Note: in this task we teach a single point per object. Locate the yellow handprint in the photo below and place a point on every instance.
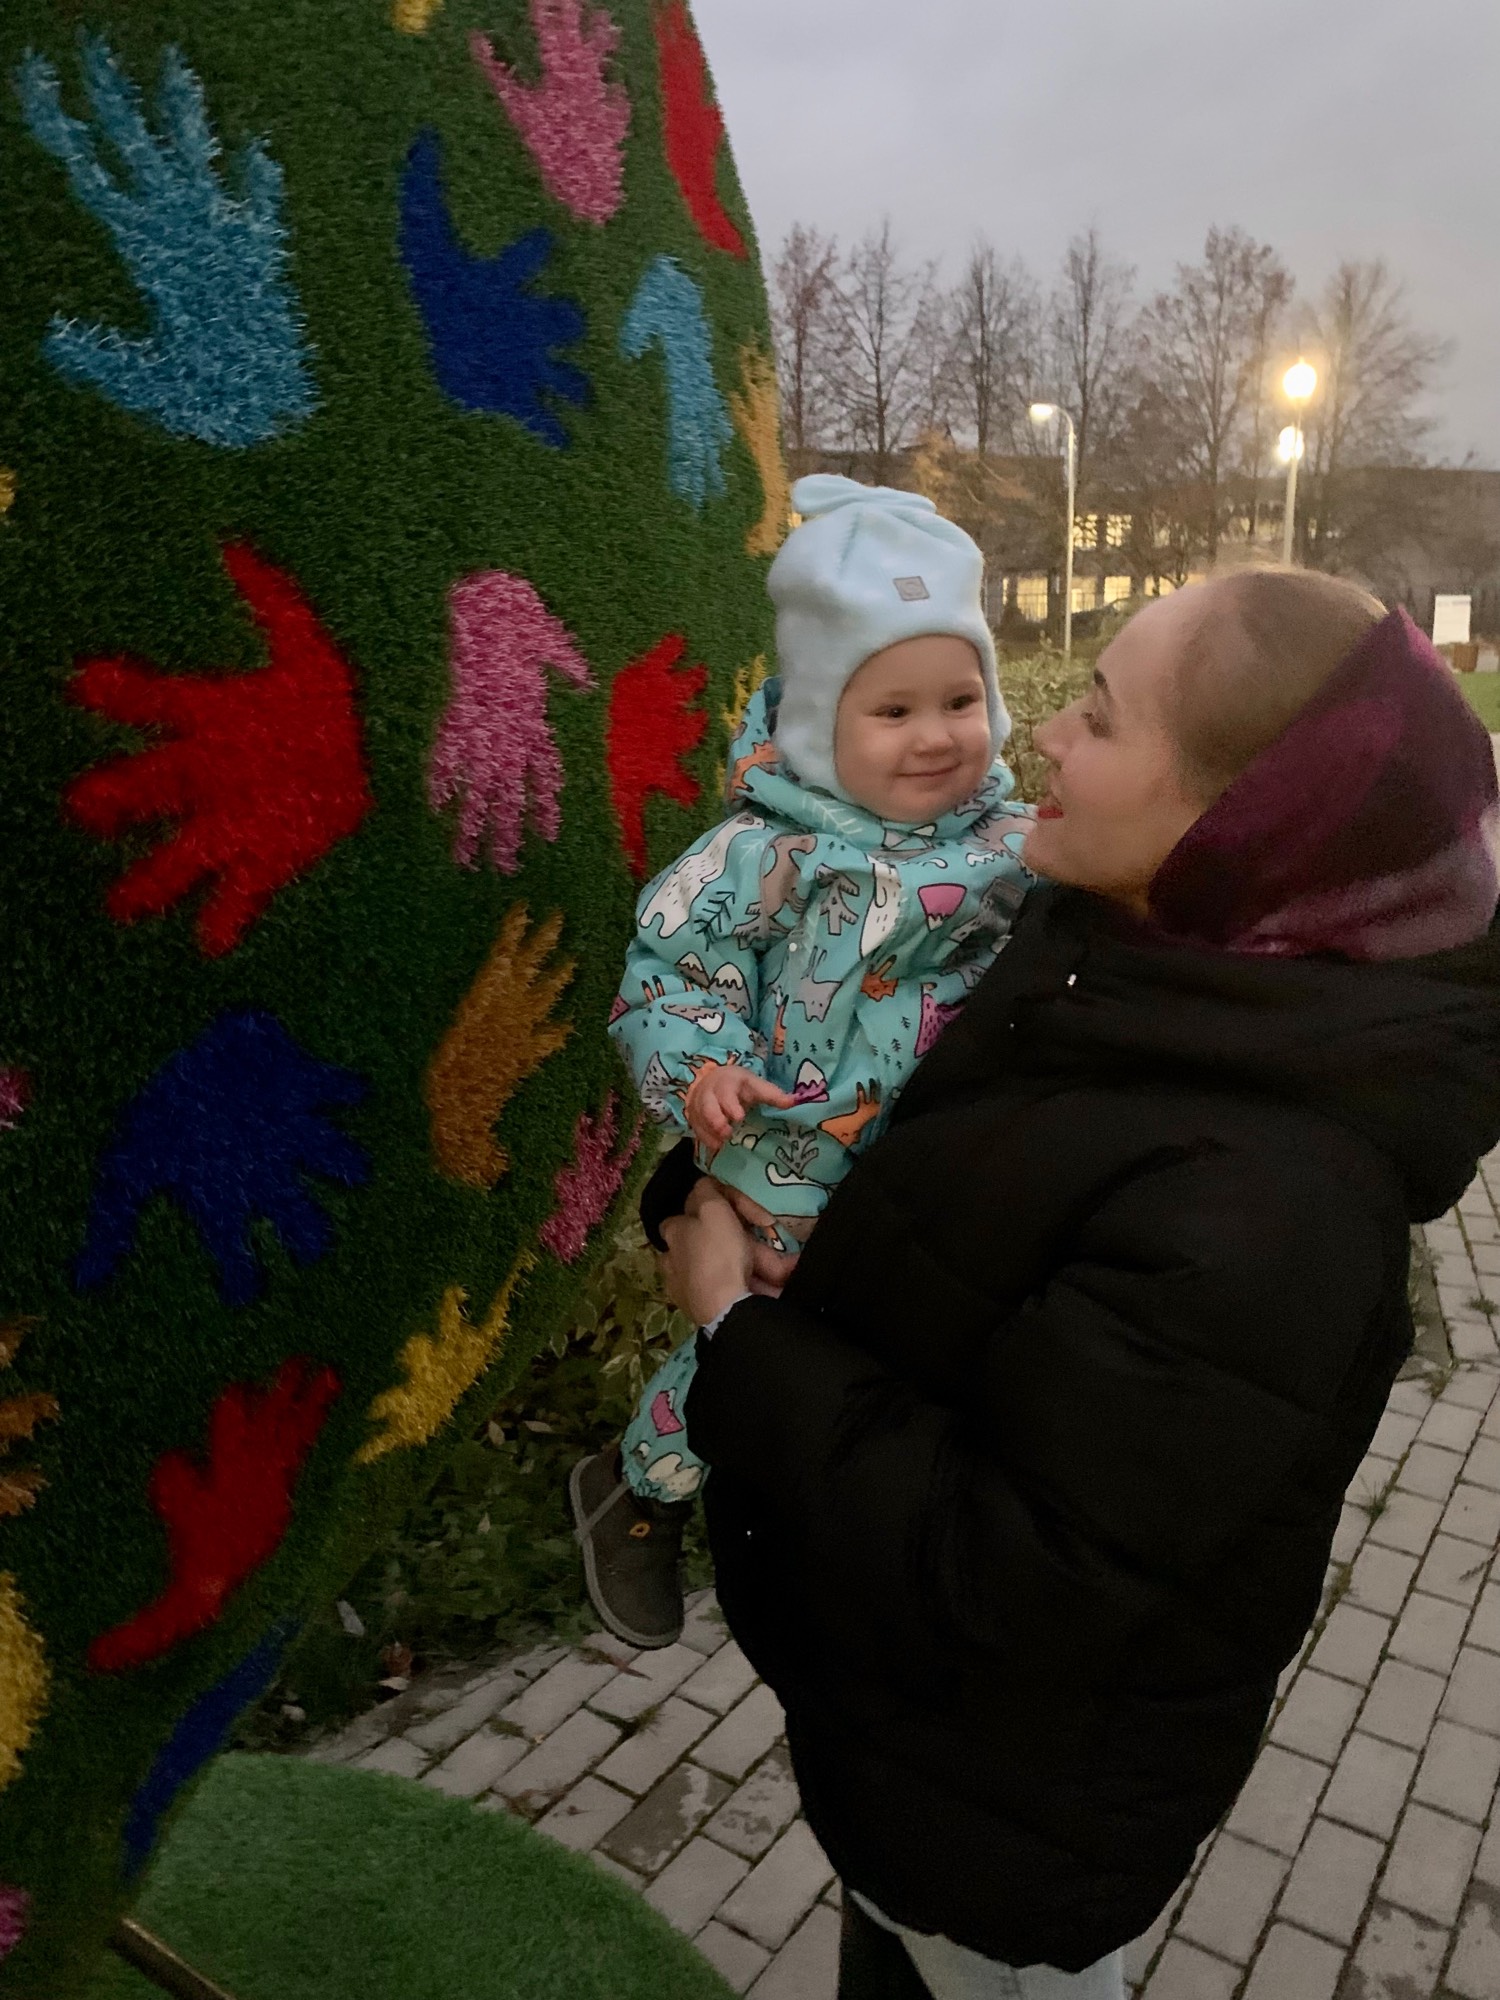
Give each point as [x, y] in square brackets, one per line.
[23, 1681]
[440, 1369]
[501, 1034]
[756, 411]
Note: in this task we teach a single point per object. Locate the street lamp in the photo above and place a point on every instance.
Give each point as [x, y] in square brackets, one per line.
[1043, 413]
[1298, 385]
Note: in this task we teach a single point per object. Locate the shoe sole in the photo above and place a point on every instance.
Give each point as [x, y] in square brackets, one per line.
[621, 1630]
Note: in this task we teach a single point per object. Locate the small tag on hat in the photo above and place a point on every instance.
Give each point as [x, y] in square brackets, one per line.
[912, 589]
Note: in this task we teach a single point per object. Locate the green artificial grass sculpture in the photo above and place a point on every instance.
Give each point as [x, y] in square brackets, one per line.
[388, 470]
[292, 1881]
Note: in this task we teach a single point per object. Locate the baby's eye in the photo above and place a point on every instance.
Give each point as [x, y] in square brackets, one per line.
[894, 714]
[962, 701]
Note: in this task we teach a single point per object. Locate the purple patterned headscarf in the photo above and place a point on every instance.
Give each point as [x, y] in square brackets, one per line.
[1366, 828]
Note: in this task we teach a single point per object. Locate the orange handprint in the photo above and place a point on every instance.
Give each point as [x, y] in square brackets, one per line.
[503, 1032]
[263, 771]
[19, 1417]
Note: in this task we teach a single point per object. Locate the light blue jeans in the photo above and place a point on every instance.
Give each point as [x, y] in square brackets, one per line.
[952, 1972]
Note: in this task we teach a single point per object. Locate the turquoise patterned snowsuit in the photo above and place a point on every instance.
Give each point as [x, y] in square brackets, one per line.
[825, 949]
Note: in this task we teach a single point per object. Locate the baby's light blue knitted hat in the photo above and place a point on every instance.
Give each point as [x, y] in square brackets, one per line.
[868, 567]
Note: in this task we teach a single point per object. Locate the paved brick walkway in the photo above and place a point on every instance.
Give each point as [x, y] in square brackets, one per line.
[1359, 1862]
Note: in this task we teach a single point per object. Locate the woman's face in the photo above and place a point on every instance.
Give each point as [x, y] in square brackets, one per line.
[1117, 803]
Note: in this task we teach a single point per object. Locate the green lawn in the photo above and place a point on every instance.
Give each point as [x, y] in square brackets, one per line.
[291, 1881]
[1483, 691]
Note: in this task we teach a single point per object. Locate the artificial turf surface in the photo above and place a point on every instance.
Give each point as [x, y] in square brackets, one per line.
[284, 1880]
[1483, 691]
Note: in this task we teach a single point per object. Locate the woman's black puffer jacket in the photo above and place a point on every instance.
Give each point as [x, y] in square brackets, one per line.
[1023, 1493]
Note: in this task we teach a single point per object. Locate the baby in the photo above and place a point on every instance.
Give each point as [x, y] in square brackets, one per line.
[791, 969]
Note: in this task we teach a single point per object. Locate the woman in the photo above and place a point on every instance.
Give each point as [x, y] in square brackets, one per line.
[1023, 1490]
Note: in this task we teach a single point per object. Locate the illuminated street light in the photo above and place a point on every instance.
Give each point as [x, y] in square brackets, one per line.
[1298, 385]
[1043, 413]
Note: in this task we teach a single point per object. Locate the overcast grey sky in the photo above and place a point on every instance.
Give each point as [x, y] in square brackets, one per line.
[1329, 128]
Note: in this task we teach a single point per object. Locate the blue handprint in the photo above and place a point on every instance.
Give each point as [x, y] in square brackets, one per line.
[493, 338]
[224, 361]
[227, 1129]
[667, 312]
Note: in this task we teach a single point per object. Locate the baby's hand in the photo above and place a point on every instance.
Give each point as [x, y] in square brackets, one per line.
[720, 1095]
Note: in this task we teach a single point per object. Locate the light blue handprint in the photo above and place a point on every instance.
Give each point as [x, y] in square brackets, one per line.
[225, 360]
[667, 312]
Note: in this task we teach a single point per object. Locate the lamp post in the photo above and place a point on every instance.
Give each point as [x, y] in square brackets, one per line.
[1297, 385]
[1043, 413]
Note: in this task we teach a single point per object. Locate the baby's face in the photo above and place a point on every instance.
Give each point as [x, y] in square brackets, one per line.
[913, 733]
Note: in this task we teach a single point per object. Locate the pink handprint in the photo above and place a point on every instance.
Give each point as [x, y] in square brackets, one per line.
[574, 121]
[495, 748]
[587, 1186]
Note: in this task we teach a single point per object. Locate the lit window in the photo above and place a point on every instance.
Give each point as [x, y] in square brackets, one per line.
[1031, 598]
[1085, 594]
[1117, 531]
[1116, 589]
[1085, 531]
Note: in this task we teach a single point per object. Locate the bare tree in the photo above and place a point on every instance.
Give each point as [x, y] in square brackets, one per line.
[1274, 286]
[995, 322]
[1375, 367]
[886, 324]
[802, 312]
[1199, 342]
[1092, 336]
[1150, 478]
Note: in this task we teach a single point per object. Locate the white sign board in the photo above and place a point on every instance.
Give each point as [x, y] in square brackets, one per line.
[1450, 621]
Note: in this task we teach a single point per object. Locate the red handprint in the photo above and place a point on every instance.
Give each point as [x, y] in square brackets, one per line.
[226, 1519]
[652, 727]
[264, 771]
[693, 126]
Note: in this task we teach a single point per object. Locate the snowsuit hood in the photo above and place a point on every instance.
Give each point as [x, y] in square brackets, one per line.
[759, 779]
[869, 567]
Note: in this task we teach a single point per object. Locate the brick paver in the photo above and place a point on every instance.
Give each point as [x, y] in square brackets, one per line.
[780, 1889]
[478, 1763]
[666, 1819]
[690, 1888]
[656, 1746]
[1361, 1860]
[1295, 1966]
[1331, 1881]
[1370, 1784]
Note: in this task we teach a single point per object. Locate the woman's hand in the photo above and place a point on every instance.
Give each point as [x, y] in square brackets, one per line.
[710, 1260]
[720, 1095]
[772, 1267]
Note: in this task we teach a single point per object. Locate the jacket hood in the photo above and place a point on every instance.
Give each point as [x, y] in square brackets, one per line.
[1406, 1053]
[758, 777]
